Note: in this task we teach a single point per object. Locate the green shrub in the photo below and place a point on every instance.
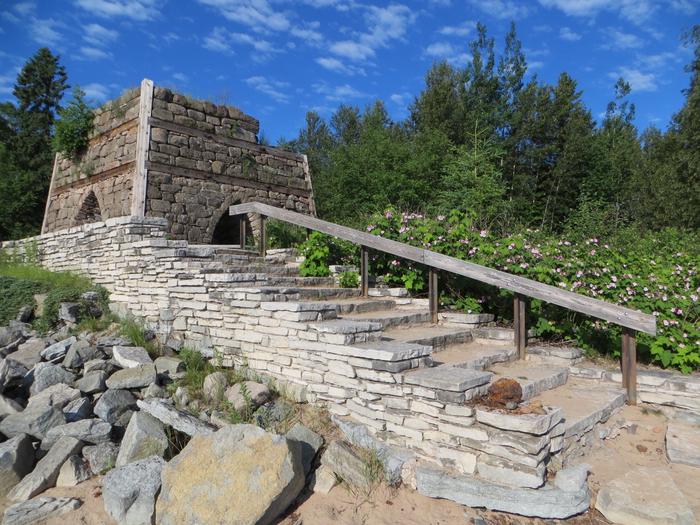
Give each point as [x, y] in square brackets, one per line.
[15, 294]
[652, 272]
[349, 280]
[322, 250]
[135, 331]
[281, 234]
[72, 134]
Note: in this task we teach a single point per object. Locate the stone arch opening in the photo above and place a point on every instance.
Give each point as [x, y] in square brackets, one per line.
[89, 211]
[228, 230]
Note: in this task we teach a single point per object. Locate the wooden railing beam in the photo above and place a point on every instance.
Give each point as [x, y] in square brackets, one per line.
[433, 297]
[364, 270]
[629, 364]
[520, 324]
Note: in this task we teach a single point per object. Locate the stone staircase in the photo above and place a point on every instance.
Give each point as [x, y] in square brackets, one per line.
[379, 361]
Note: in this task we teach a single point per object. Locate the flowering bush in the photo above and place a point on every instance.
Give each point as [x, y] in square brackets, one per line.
[655, 273]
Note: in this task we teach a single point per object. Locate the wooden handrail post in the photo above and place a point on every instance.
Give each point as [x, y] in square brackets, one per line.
[433, 300]
[364, 270]
[242, 231]
[520, 324]
[629, 364]
[263, 236]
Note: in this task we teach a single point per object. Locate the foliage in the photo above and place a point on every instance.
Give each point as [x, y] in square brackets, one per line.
[655, 273]
[281, 234]
[349, 280]
[137, 332]
[320, 251]
[16, 293]
[74, 126]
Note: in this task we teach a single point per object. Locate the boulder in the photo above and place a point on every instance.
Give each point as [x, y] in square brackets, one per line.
[683, 443]
[9, 334]
[130, 356]
[76, 410]
[129, 492]
[57, 350]
[69, 312]
[346, 464]
[256, 393]
[16, 461]
[91, 431]
[80, 353]
[29, 352]
[25, 314]
[101, 457]
[58, 395]
[171, 416]
[46, 471]
[144, 437]
[324, 479]
[181, 397]
[33, 421]
[38, 509]
[11, 373]
[9, 406]
[154, 390]
[310, 443]
[113, 403]
[644, 496]
[169, 365]
[46, 375]
[92, 382]
[106, 365]
[75, 470]
[106, 343]
[240, 471]
[136, 377]
[214, 386]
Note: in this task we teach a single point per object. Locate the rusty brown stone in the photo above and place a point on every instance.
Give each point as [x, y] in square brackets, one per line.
[504, 392]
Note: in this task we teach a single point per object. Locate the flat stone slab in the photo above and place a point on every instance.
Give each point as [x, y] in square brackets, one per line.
[536, 424]
[130, 356]
[38, 509]
[644, 496]
[175, 418]
[449, 378]
[548, 502]
[533, 378]
[683, 443]
[390, 350]
[345, 326]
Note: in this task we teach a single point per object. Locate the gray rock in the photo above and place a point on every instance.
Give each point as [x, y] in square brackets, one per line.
[310, 443]
[527, 423]
[154, 391]
[9, 406]
[102, 457]
[169, 365]
[683, 443]
[175, 418]
[113, 403]
[129, 492]
[505, 472]
[57, 350]
[29, 352]
[257, 394]
[572, 479]
[144, 437]
[547, 503]
[33, 421]
[80, 353]
[79, 409]
[9, 334]
[644, 495]
[264, 468]
[46, 471]
[91, 431]
[69, 312]
[181, 397]
[92, 382]
[25, 314]
[38, 509]
[324, 479]
[11, 373]
[16, 461]
[106, 365]
[107, 342]
[214, 386]
[346, 464]
[46, 375]
[58, 395]
[131, 356]
[75, 470]
[136, 377]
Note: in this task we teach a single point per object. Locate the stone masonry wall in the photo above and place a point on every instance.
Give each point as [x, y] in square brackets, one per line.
[204, 157]
[106, 169]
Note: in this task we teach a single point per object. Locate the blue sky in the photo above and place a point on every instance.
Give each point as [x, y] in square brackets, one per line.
[277, 59]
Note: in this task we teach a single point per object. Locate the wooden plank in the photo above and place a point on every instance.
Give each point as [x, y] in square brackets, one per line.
[226, 179]
[364, 270]
[629, 364]
[143, 140]
[259, 148]
[48, 197]
[433, 297]
[578, 303]
[520, 324]
[263, 237]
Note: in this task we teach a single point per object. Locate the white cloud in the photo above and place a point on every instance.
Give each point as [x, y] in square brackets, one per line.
[92, 53]
[401, 99]
[338, 93]
[180, 77]
[259, 15]
[621, 40]
[139, 10]
[96, 92]
[352, 50]
[309, 33]
[338, 66]
[566, 33]
[658, 60]
[218, 41]
[502, 9]
[271, 88]
[687, 7]
[43, 31]
[635, 11]
[221, 40]
[445, 50]
[25, 8]
[98, 35]
[638, 80]
[462, 29]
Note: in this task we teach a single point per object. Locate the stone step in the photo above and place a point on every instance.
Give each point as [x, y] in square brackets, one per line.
[392, 318]
[391, 351]
[474, 355]
[321, 310]
[450, 378]
[494, 333]
[584, 403]
[534, 378]
[273, 280]
[310, 293]
[346, 331]
[254, 268]
[439, 337]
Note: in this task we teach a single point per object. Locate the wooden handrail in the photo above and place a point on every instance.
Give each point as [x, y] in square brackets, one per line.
[620, 315]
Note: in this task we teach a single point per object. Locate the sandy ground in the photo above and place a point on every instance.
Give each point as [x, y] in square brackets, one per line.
[642, 446]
